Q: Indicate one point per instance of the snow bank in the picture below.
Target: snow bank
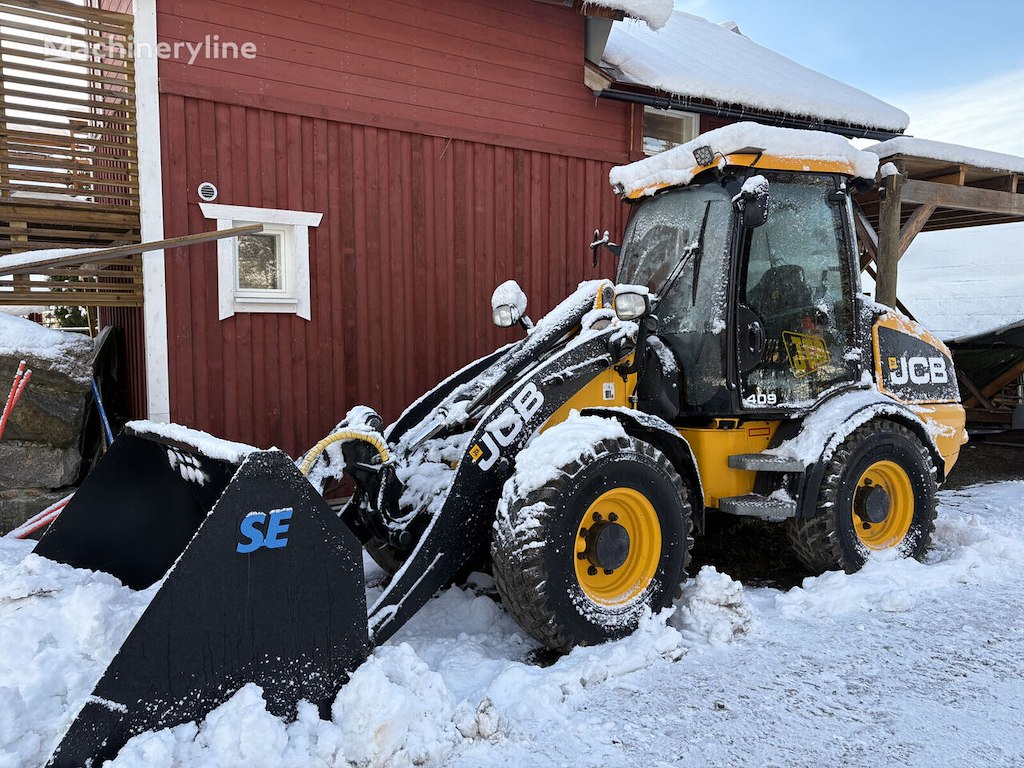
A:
(966, 549)
(695, 58)
(952, 153)
(59, 628)
(678, 165)
(19, 336)
(906, 644)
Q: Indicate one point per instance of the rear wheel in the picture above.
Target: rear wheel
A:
(878, 492)
(578, 560)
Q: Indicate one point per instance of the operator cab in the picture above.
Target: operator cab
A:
(757, 311)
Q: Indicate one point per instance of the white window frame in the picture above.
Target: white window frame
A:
(293, 229)
(673, 113)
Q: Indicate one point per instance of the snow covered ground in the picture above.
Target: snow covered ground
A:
(903, 663)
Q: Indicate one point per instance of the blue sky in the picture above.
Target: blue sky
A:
(956, 67)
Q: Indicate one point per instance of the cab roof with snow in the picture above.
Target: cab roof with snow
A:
(748, 145)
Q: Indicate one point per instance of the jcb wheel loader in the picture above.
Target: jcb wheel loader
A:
(733, 367)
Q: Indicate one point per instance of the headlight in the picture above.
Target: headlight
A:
(630, 305)
(505, 316)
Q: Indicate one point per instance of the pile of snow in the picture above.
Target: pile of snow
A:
(19, 336)
(951, 153)
(678, 165)
(542, 460)
(655, 12)
(695, 58)
(886, 661)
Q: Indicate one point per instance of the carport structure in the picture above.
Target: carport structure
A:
(929, 186)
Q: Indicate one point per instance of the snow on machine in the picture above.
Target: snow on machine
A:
(733, 367)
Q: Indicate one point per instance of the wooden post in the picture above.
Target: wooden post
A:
(888, 241)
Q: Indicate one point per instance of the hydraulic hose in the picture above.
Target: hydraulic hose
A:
(346, 434)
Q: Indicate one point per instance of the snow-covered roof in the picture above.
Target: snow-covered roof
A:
(812, 150)
(655, 12)
(952, 153)
(693, 57)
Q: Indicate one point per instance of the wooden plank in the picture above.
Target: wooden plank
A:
(130, 250)
(962, 198)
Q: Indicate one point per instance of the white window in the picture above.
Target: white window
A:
(666, 128)
(267, 271)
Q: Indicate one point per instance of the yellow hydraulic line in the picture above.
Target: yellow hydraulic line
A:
(346, 434)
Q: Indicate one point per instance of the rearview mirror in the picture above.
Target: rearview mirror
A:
(752, 201)
(508, 304)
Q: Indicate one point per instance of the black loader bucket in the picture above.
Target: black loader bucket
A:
(261, 583)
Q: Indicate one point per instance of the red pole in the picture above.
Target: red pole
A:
(20, 381)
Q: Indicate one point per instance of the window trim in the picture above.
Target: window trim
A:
(678, 114)
(293, 226)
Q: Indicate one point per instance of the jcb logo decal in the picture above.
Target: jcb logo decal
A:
(918, 370)
(506, 426)
(272, 537)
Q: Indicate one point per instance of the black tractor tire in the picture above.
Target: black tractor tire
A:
(879, 454)
(538, 540)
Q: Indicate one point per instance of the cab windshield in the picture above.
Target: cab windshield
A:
(675, 245)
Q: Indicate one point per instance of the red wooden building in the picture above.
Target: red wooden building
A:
(405, 157)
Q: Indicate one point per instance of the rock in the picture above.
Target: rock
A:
(47, 415)
(18, 506)
(36, 465)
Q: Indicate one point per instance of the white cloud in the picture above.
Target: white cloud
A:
(988, 114)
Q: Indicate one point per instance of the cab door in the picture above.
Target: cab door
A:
(795, 327)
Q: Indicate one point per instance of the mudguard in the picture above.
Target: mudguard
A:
(459, 528)
(830, 423)
(661, 435)
(267, 587)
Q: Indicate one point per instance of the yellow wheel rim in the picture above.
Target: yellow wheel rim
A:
(891, 478)
(600, 538)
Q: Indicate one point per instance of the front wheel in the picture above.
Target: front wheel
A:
(579, 559)
(878, 492)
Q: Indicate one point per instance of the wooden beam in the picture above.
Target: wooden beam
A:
(914, 225)
(867, 236)
(963, 198)
(129, 250)
(980, 398)
(1008, 376)
(888, 255)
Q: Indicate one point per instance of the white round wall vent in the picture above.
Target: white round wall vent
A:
(208, 192)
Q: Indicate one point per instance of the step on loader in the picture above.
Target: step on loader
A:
(733, 367)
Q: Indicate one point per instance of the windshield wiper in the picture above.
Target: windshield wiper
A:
(700, 252)
(694, 249)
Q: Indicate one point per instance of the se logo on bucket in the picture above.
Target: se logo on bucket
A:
(272, 537)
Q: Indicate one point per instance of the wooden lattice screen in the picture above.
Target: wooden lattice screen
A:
(69, 173)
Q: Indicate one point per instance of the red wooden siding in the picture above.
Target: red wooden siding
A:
(508, 73)
(417, 231)
(130, 321)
